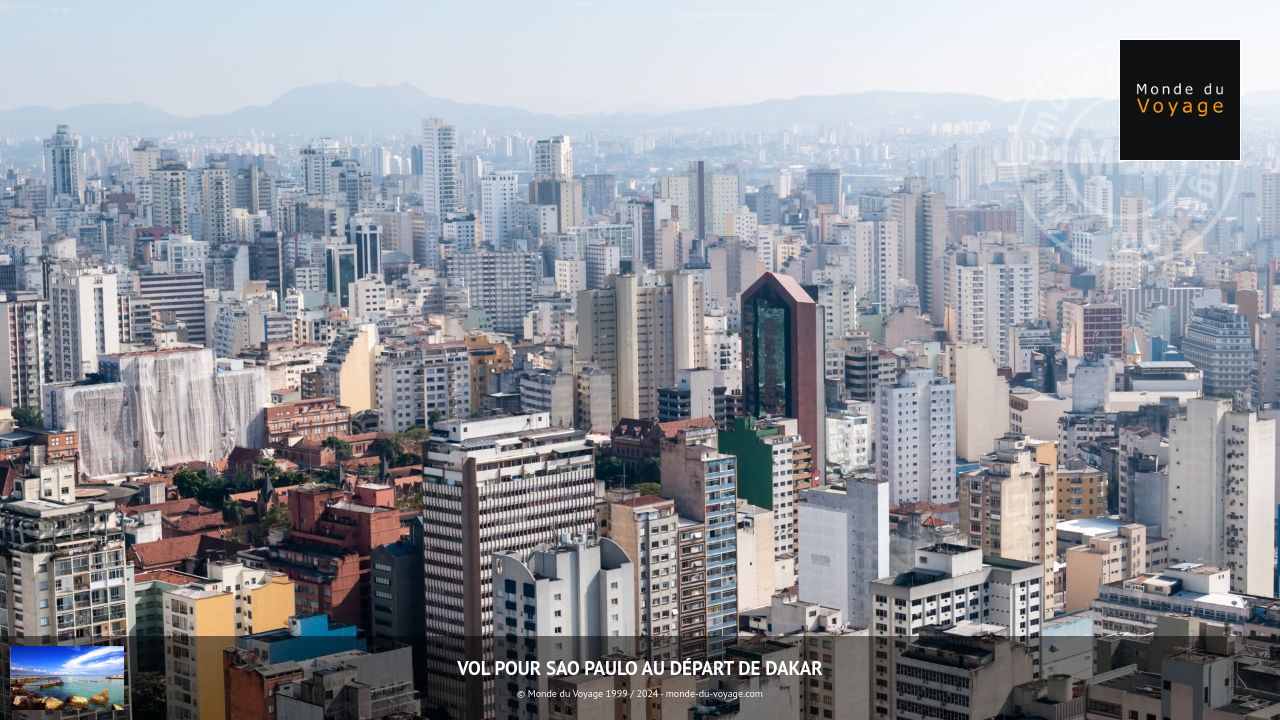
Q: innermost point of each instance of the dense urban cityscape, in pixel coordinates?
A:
(933, 410)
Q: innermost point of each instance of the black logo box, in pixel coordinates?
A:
(1187, 68)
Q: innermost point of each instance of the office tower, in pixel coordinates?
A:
(506, 483)
(340, 272)
(599, 191)
(982, 406)
(553, 158)
(951, 584)
(352, 185)
(84, 321)
(702, 482)
(166, 407)
(602, 261)
(1092, 328)
(1008, 506)
(417, 384)
(916, 451)
(844, 545)
(1221, 506)
(216, 200)
(1099, 198)
(824, 184)
(202, 616)
(500, 284)
(1266, 387)
(573, 600)
(62, 162)
(170, 205)
(1219, 342)
(317, 160)
(366, 236)
(642, 330)
(921, 219)
(176, 297)
(782, 357)
(993, 287)
(24, 349)
(499, 193)
(439, 174)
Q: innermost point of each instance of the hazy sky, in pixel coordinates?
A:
(575, 56)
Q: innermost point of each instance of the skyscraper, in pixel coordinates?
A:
(24, 318)
(916, 450)
(317, 166)
(1221, 506)
(62, 160)
(992, 288)
(1219, 342)
(366, 236)
(553, 158)
(824, 183)
(439, 173)
(642, 330)
(501, 484)
(84, 321)
(498, 195)
(169, 202)
(216, 199)
(782, 357)
(922, 230)
(844, 545)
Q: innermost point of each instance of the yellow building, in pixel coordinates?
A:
(488, 360)
(202, 618)
(1082, 493)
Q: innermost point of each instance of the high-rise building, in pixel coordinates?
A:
(642, 330)
(992, 288)
(553, 158)
(1221, 506)
(1092, 328)
(921, 219)
(340, 272)
(177, 297)
(1266, 387)
(948, 585)
(773, 460)
(417, 384)
(24, 340)
(170, 204)
(366, 236)
(84, 321)
(1269, 207)
(782, 357)
(317, 160)
(916, 448)
(1099, 198)
(440, 192)
(844, 544)
(599, 191)
(702, 482)
(583, 590)
(62, 162)
(1218, 340)
(499, 283)
(499, 484)
(982, 406)
(824, 184)
(217, 197)
(647, 529)
(499, 193)
(1111, 557)
(1008, 506)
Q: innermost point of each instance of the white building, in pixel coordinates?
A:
(499, 193)
(916, 451)
(844, 545)
(439, 174)
(84, 321)
(992, 288)
(1221, 504)
(849, 437)
(415, 384)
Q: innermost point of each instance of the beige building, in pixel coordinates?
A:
(1008, 506)
(348, 372)
(982, 414)
(647, 529)
(757, 562)
(1110, 558)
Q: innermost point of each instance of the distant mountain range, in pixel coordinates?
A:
(343, 109)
